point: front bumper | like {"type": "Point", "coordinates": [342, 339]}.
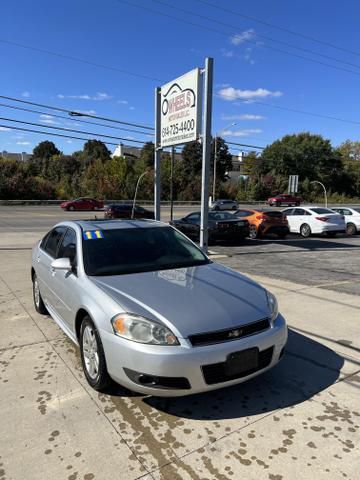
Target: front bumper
{"type": "Point", "coordinates": [185, 361]}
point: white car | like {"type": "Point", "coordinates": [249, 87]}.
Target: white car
{"type": "Point", "coordinates": [314, 220]}
{"type": "Point", "coordinates": [352, 218]}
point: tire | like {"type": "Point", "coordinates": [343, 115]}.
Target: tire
{"type": "Point", "coordinates": [305, 230]}
{"type": "Point", "coordinates": [253, 233]}
{"type": "Point", "coordinates": [350, 229]}
{"type": "Point", "coordinates": [71, 208]}
{"type": "Point", "coordinates": [92, 356]}
{"type": "Point", "coordinates": [38, 301]}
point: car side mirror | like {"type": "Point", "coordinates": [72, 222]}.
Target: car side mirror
{"type": "Point", "coordinates": [61, 264]}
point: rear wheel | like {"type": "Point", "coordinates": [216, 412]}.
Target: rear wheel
{"type": "Point", "coordinates": [38, 301]}
{"type": "Point", "coordinates": [305, 230]}
{"type": "Point", "coordinates": [253, 233]}
{"type": "Point", "coordinates": [92, 355]}
{"type": "Point", "coordinates": [350, 229]}
{"type": "Point", "coordinates": [71, 208]}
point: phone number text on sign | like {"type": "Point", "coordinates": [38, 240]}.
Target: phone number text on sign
{"type": "Point", "coordinates": [180, 110]}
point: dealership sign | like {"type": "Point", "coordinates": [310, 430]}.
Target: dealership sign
{"type": "Point", "coordinates": [180, 110]}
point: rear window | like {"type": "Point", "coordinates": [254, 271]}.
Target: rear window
{"type": "Point", "coordinates": [135, 250]}
{"type": "Point", "coordinates": [357, 210]}
{"type": "Point", "coordinates": [273, 214]}
{"type": "Point", "coordinates": [321, 210]}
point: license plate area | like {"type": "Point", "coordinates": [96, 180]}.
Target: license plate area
{"type": "Point", "coordinates": [240, 362]}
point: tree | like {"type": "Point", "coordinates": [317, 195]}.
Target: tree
{"type": "Point", "coordinates": [95, 150]}
{"type": "Point", "coordinates": [192, 159]}
{"type": "Point", "coordinates": [223, 158]}
{"type": "Point", "coordinates": [147, 154]}
{"type": "Point", "coordinates": [45, 150]}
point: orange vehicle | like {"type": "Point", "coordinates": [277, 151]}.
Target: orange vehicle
{"type": "Point", "coordinates": [263, 222]}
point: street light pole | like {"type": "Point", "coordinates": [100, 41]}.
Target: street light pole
{"type": "Point", "coordinates": [323, 186]}
{"type": "Point", "coordinates": [215, 157]}
{"type": "Point", "coordinates": [136, 189]}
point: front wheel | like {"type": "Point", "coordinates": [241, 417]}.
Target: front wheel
{"type": "Point", "coordinates": [71, 208]}
{"type": "Point", "coordinates": [38, 301]}
{"type": "Point", "coordinates": [305, 230]}
{"type": "Point", "coordinates": [92, 356]}
{"type": "Point", "coordinates": [350, 229]}
{"type": "Point", "coordinates": [253, 233]}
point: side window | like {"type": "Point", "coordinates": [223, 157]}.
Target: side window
{"type": "Point", "coordinates": [193, 218]}
{"type": "Point", "coordinates": [53, 240]}
{"type": "Point", "coordinates": [345, 211]}
{"type": "Point", "coordinates": [299, 211]}
{"type": "Point", "coordinates": [67, 248]}
{"type": "Point", "coordinates": [44, 240]}
{"type": "Point", "coordinates": [288, 212]}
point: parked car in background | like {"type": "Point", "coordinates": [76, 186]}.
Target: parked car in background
{"type": "Point", "coordinates": [224, 205]}
{"type": "Point", "coordinates": [352, 218]}
{"type": "Point", "coordinates": [150, 311]}
{"type": "Point", "coordinates": [314, 220]}
{"type": "Point", "coordinates": [221, 226]}
{"type": "Point", "coordinates": [125, 210]}
{"type": "Point", "coordinates": [264, 222]}
{"type": "Point", "coordinates": [84, 203]}
{"type": "Point", "coordinates": [284, 199]}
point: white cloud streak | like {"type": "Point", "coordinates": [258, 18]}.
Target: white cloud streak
{"type": "Point", "coordinates": [242, 37]}
{"type": "Point", "coordinates": [245, 116]}
{"type": "Point", "coordinates": [247, 132]}
{"type": "Point", "coordinates": [99, 96]}
{"type": "Point", "coordinates": [23, 143]}
{"type": "Point", "coordinates": [5, 129]}
{"type": "Point", "coordinates": [25, 94]}
{"type": "Point", "coordinates": [231, 94]}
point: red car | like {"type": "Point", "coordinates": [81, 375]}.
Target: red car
{"type": "Point", "coordinates": [284, 199]}
{"type": "Point", "coordinates": [83, 204]}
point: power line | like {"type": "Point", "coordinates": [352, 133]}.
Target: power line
{"type": "Point", "coordinates": [76, 113]}
{"type": "Point", "coordinates": [245, 145]}
{"type": "Point", "coordinates": [78, 59]}
{"type": "Point", "coordinates": [71, 130]}
{"type": "Point", "coordinates": [72, 119]}
{"type": "Point", "coordinates": [52, 134]}
{"type": "Point", "coordinates": [217, 21]}
{"type": "Point", "coordinates": [278, 27]}
{"type": "Point", "coordinates": [288, 109]}
{"type": "Point", "coordinates": [197, 25]}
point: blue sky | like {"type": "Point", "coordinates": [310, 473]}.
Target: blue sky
{"type": "Point", "coordinates": [248, 67]}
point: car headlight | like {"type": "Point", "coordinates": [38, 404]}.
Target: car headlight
{"type": "Point", "coordinates": [139, 329]}
{"type": "Point", "coordinates": [273, 305]}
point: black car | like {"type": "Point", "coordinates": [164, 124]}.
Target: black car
{"type": "Point", "coordinates": [221, 226]}
{"type": "Point", "coordinates": [124, 210]}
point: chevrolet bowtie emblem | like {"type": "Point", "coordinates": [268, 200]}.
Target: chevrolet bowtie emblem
{"type": "Point", "coordinates": [235, 333]}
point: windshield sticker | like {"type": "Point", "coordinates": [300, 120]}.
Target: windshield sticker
{"type": "Point", "coordinates": [93, 235]}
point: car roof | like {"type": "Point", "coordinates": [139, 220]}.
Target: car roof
{"type": "Point", "coordinates": [99, 224]}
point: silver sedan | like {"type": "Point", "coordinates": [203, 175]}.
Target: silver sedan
{"type": "Point", "coordinates": [151, 311]}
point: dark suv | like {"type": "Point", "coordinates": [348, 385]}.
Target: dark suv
{"type": "Point", "coordinates": [124, 211]}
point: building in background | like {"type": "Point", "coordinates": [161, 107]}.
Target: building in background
{"type": "Point", "coordinates": [22, 157]}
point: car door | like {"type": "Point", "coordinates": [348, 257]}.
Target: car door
{"type": "Point", "coordinates": [65, 283]}
{"type": "Point", "coordinates": [299, 217]}
{"type": "Point", "coordinates": [45, 255]}
{"type": "Point", "coordinates": [192, 225]}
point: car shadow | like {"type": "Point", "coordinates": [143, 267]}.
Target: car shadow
{"type": "Point", "coordinates": [307, 368]}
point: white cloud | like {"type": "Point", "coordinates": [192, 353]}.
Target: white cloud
{"type": "Point", "coordinates": [69, 141]}
{"type": "Point", "coordinates": [122, 102]}
{"type": "Point", "coordinates": [23, 143]}
{"type": "Point", "coordinates": [44, 115]}
{"type": "Point", "coordinates": [245, 116]}
{"type": "Point", "coordinates": [25, 94]}
{"type": "Point", "coordinates": [242, 37]}
{"type": "Point", "coordinates": [241, 133]}
{"type": "Point", "coordinates": [227, 53]}
{"type": "Point", "coordinates": [231, 93]}
{"type": "Point", "coordinates": [5, 129]}
{"type": "Point", "coordinates": [99, 96]}
{"type": "Point", "coordinates": [48, 121]}
{"type": "Point", "coordinates": [131, 108]}
{"type": "Point", "coordinates": [87, 112]}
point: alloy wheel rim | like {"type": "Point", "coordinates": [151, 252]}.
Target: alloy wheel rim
{"type": "Point", "coordinates": [90, 352]}
{"type": "Point", "coordinates": [36, 293]}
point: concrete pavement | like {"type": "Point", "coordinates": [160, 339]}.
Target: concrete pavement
{"type": "Point", "coordinates": [300, 420]}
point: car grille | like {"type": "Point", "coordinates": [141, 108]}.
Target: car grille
{"type": "Point", "coordinates": [227, 335]}
{"type": "Point", "coordinates": [216, 372]}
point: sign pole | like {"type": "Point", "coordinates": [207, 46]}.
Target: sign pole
{"type": "Point", "coordinates": [206, 139]}
{"type": "Point", "coordinates": [172, 183]}
{"type": "Point", "coordinates": [157, 154]}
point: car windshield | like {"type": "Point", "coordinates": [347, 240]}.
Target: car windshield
{"type": "Point", "coordinates": [321, 210]}
{"type": "Point", "coordinates": [136, 250]}
{"type": "Point", "coordinates": [220, 216]}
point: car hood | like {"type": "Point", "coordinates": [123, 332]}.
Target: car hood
{"type": "Point", "coordinates": [189, 300]}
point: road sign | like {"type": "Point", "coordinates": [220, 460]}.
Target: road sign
{"type": "Point", "coordinates": [293, 183]}
{"type": "Point", "coordinates": [180, 110]}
